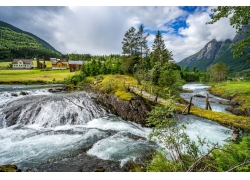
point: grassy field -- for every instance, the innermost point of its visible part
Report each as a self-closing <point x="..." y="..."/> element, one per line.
<point x="236" y="90"/>
<point x="4" y="64"/>
<point x="33" y="76"/>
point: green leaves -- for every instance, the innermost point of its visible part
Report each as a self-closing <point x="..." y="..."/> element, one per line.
<point x="160" y="52"/>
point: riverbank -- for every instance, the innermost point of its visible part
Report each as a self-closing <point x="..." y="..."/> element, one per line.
<point x="238" y="92"/>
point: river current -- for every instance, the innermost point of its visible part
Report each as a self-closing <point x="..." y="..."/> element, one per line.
<point x="44" y="131"/>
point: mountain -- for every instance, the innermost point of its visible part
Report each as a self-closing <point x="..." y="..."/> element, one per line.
<point x="16" y="43"/>
<point x="216" y="51"/>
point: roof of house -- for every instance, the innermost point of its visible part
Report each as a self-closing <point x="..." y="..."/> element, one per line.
<point x="25" y="61"/>
<point x="76" y="62"/>
<point x="59" y="61"/>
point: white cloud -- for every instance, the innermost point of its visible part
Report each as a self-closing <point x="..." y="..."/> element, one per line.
<point x="100" y="29"/>
<point x="197" y="35"/>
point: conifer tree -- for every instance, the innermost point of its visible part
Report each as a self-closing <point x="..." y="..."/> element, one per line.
<point x="142" y="41"/>
<point x="130" y="42"/>
<point x="160" y="52"/>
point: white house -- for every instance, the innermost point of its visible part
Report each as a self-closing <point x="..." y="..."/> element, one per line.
<point x="22" y="64"/>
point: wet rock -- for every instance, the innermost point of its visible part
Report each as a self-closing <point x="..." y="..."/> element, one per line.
<point x="235" y="135"/>
<point x="247" y="110"/>
<point x="99" y="169"/>
<point x="234" y="102"/>
<point x="236" y="111"/>
<point x="224" y="102"/>
<point x="187" y="91"/>
<point x="23" y="93"/>
<point x="199" y="95"/>
<point x="135" y="110"/>
<point x="9" y="168"/>
<point x="14" y="94"/>
<point x="54" y="90"/>
<point x="134" y="167"/>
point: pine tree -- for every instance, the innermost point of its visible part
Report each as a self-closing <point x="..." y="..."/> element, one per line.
<point x="142" y="41"/>
<point x="160" y="52"/>
<point x="130" y="42"/>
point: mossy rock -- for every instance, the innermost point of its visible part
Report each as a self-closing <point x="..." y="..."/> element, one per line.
<point x="9" y="168"/>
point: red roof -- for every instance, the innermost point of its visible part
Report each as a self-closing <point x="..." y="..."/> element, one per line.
<point x="25" y="61"/>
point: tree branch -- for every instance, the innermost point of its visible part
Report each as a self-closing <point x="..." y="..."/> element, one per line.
<point x="199" y="160"/>
<point x="244" y="163"/>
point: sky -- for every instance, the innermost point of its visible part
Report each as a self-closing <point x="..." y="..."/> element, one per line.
<point x="98" y="27"/>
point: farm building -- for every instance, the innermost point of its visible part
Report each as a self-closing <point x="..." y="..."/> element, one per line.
<point x="59" y="65"/>
<point x="22" y="64"/>
<point x="75" y="65"/>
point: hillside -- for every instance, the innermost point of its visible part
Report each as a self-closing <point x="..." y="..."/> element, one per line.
<point x="16" y="43"/>
<point x="216" y="51"/>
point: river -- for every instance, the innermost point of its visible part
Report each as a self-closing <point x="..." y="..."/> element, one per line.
<point x="69" y="132"/>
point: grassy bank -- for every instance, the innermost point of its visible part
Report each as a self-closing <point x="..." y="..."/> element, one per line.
<point x="237" y="90"/>
<point x="115" y="84"/>
<point x="33" y="76"/>
<point x="229" y="120"/>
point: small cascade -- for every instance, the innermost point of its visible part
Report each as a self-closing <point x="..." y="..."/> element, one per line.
<point x="49" y="110"/>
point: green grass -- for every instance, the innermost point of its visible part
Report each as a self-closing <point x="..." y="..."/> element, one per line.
<point x="4" y="64"/>
<point x="237" y="90"/>
<point x="22" y="76"/>
<point x="220" y="117"/>
<point x="115" y="84"/>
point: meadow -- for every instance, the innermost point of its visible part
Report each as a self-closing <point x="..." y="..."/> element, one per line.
<point x="33" y="76"/>
<point x="236" y="90"/>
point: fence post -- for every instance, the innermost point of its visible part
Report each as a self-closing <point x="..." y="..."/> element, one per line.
<point x="190" y="102"/>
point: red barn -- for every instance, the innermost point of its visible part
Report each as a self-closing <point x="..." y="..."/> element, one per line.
<point x="75" y="65"/>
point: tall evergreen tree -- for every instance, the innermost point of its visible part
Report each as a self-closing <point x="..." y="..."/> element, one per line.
<point x="142" y="41"/>
<point x="160" y="52"/>
<point x="130" y="42"/>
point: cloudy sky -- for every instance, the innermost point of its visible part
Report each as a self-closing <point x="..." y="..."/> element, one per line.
<point x="99" y="30"/>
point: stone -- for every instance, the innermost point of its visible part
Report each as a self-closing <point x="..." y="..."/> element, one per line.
<point x="14" y="94"/>
<point x="23" y="93"/>
<point x="199" y="95"/>
<point x="9" y="168"/>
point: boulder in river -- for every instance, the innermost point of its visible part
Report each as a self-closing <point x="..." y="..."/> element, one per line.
<point x="224" y="102"/>
<point x="199" y="95"/>
<point x="9" y="168"/>
<point x="23" y="93"/>
<point x="14" y="94"/>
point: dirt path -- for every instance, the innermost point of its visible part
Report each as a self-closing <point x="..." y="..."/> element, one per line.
<point x="147" y="95"/>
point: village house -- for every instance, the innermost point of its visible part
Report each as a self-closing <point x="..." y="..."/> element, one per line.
<point x="22" y="64"/>
<point x="59" y="65"/>
<point x="75" y="65"/>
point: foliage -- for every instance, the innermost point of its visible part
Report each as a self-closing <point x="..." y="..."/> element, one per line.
<point x="159" y="51"/>
<point x="142" y="42"/>
<point x="16" y="44"/>
<point x="239" y="17"/>
<point x="217" y="72"/>
<point x="130" y="42"/>
<point x="233" y="155"/>
<point x="177" y="152"/>
<point x="77" y="79"/>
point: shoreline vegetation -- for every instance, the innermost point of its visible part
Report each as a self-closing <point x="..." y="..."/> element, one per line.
<point x="118" y="84"/>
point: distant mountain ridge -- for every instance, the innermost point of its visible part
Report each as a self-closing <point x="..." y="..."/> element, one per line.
<point x="216" y="51"/>
<point x="16" y="43"/>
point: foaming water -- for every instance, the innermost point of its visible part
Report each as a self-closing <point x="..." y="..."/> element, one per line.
<point x="43" y="127"/>
<point x="201" y="102"/>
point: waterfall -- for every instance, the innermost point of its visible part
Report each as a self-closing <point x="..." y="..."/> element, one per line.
<point x="49" y="110"/>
